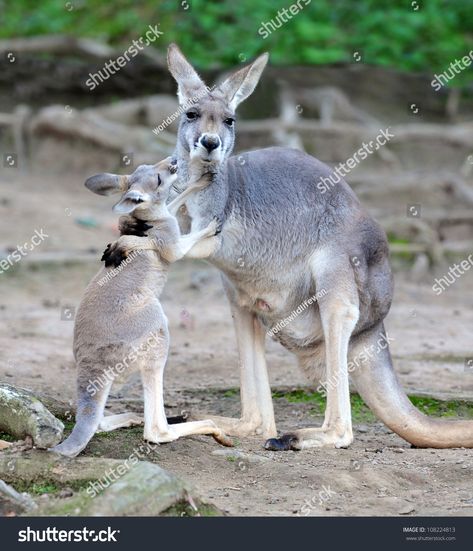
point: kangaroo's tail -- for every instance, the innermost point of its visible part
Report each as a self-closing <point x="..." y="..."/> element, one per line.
<point x="90" y="408"/>
<point x="379" y="387"/>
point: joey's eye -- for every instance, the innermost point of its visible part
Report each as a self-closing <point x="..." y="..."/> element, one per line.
<point x="229" y="121"/>
<point x="191" y="115"/>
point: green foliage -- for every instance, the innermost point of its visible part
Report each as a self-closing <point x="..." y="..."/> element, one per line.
<point x="224" y="32"/>
<point x="361" y="413"/>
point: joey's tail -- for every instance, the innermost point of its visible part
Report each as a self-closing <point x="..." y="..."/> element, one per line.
<point x="377" y="383"/>
<point x="90" y="408"/>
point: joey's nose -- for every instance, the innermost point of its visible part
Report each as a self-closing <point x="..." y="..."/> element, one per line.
<point x="210" y="142"/>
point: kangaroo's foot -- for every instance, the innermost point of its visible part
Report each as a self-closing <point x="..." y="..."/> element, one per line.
<point x="121" y="420"/>
<point x="240" y="427"/>
<point x="311" y="438"/>
<point x="174" y="432"/>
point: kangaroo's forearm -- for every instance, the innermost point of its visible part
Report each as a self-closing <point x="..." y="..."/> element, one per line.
<point x="204" y="248"/>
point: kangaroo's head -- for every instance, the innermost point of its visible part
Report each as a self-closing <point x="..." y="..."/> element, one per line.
<point x="142" y="191"/>
<point x="207" y="125"/>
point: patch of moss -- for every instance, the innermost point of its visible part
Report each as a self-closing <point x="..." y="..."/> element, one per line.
<point x="361" y="412"/>
<point x="7" y="437"/>
<point x="231" y="392"/>
<point x="440" y="408"/>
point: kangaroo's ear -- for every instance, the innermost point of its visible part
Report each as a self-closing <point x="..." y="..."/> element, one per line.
<point x="241" y="84"/>
<point x="106" y="184"/>
<point x="190" y="85"/>
<point x="130" y="201"/>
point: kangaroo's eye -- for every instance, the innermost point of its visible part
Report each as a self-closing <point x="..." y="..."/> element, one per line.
<point x="159" y="180"/>
<point x="229" y="121"/>
<point x="191" y="115"/>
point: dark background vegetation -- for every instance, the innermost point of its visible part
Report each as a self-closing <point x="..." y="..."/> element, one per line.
<point x="414" y="36"/>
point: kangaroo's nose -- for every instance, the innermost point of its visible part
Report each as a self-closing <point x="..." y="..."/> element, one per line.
<point x="210" y="142"/>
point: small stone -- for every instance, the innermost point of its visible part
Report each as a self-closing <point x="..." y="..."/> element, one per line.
<point x="406" y="510"/>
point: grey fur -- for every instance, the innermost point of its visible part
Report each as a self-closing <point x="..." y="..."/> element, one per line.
<point x="120" y="321"/>
<point x="283" y="239"/>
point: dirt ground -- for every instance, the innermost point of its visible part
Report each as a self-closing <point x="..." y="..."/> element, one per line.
<point x="379" y="475"/>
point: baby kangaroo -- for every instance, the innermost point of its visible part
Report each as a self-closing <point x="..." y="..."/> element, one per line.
<point x="120" y="321"/>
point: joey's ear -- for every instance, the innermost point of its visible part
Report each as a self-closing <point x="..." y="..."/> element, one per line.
<point x="106" y="183"/>
<point x="190" y="85"/>
<point x="241" y="84"/>
<point x="130" y="201"/>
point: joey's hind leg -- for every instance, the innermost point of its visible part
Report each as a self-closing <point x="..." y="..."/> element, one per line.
<point x="120" y="420"/>
<point x="339" y="315"/>
<point x="157" y="429"/>
<point x="91" y="401"/>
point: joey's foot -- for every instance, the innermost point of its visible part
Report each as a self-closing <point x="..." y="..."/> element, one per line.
<point x="223" y="439"/>
<point x="129" y="225"/>
<point x="240" y="428"/>
<point x="114" y="255"/>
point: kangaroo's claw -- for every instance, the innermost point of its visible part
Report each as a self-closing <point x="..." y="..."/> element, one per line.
<point x="114" y="255"/>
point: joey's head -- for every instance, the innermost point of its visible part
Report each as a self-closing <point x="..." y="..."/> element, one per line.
<point x="207" y="126"/>
<point x="143" y="191"/>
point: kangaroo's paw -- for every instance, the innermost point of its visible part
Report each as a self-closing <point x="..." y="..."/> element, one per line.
<point x="114" y="255"/>
<point x="239" y="427"/>
<point x="129" y="225"/>
<point x="311" y="438"/>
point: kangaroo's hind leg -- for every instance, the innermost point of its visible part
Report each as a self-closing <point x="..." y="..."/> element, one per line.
<point x="339" y="313"/>
<point x="119" y="421"/>
<point x="91" y="401"/>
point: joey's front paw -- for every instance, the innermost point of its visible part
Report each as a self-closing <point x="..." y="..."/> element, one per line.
<point x="129" y="225"/>
<point x="114" y="255"/>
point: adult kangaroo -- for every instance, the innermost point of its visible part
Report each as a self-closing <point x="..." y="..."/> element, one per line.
<point x="284" y="239"/>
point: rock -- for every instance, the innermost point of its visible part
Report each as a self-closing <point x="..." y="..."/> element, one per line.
<point x="12" y="502"/>
<point x="104" y="487"/>
<point x="407" y="510"/>
<point x="22" y="415"/>
<point x="145" y="490"/>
